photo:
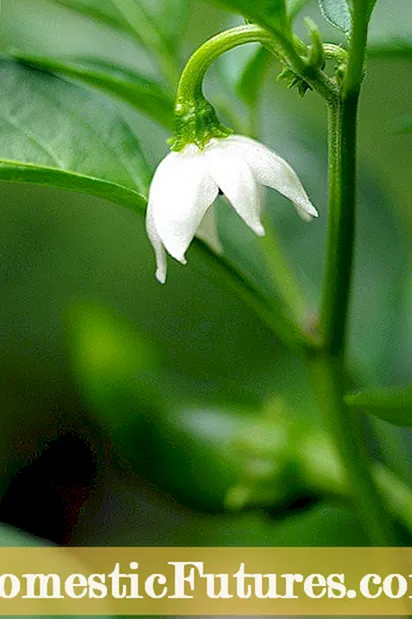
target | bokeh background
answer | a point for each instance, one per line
(90, 342)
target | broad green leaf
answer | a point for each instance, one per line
(122, 82)
(336, 12)
(53, 132)
(391, 404)
(270, 14)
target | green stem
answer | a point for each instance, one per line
(328, 366)
(342, 195)
(345, 428)
(190, 85)
(283, 275)
(275, 318)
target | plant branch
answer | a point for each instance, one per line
(345, 428)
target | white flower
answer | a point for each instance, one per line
(186, 184)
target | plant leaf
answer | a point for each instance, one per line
(251, 80)
(122, 82)
(294, 7)
(336, 12)
(270, 14)
(170, 17)
(88, 147)
(100, 10)
(394, 47)
(391, 404)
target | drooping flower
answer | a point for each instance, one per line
(186, 184)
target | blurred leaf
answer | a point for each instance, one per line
(294, 7)
(88, 147)
(170, 16)
(222, 456)
(270, 14)
(320, 525)
(336, 12)
(391, 404)
(100, 10)
(133, 516)
(403, 124)
(137, 90)
(113, 361)
(393, 47)
(251, 80)
(9, 537)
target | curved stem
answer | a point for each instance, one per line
(190, 85)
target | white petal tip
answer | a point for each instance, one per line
(307, 212)
(161, 277)
(258, 229)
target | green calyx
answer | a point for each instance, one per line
(196, 123)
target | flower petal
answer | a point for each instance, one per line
(234, 177)
(180, 194)
(273, 171)
(161, 261)
(207, 231)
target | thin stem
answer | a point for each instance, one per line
(279, 323)
(283, 274)
(328, 366)
(342, 195)
(356, 62)
(345, 429)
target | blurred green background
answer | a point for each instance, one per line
(100, 444)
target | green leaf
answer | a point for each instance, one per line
(170, 16)
(114, 363)
(270, 14)
(391, 404)
(402, 124)
(294, 7)
(100, 10)
(56, 133)
(393, 47)
(122, 82)
(336, 12)
(251, 80)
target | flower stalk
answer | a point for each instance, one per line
(328, 365)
